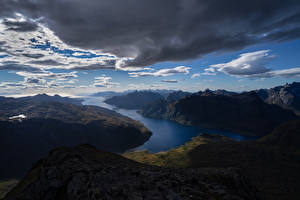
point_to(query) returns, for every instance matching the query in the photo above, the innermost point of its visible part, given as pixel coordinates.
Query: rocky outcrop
(287, 96)
(84, 173)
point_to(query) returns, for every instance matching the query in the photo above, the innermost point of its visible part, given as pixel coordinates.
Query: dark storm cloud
(169, 30)
(25, 26)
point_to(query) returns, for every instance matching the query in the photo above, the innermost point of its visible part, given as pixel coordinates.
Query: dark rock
(83, 172)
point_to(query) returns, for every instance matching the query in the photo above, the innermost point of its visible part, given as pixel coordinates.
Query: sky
(75, 47)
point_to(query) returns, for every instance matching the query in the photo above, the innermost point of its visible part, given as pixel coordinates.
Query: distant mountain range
(139, 99)
(47, 98)
(46, 125)
(271, 163)
(252, 113)
(109, 94)
(134, 100)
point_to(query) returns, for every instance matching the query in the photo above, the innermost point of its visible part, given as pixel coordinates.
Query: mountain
(209, 92)
(286, 136)
(48, 98)
(46, 125)
(108, 94)
(271, 163)
(244, 113)
(287, 96)
(175, 96)
(134, 100)
(83, 172)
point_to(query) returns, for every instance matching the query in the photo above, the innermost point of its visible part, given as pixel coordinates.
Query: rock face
(287, 96)
(84, 173)
(53, 124)
(244, 113)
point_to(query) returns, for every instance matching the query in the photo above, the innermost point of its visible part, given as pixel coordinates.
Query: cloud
(179, 29)
(48, 75)
(162, 72)
(170, 81)
(106, 64)
(34, 80)
(252, 65)
(286, 73)
(196, 75)
(48, 62)
(104, 81)
(11, 65)
(36, 55)
(23, 26)
(247, 64)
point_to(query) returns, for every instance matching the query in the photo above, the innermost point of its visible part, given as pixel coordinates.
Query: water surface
(165, 134)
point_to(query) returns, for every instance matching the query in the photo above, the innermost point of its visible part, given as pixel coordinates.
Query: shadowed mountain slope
(83, 172)
(53, 124)
(244, 113)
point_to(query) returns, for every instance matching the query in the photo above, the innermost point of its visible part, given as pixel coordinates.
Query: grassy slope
(6, 186)
(177, 157)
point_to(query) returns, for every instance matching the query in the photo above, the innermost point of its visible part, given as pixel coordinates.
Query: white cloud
(286, 73)
(162, 72)
(196, 75)
(48, 74)
(104, 81)
(247, 64)
(170, 81)
(209, 72)
(252, 65)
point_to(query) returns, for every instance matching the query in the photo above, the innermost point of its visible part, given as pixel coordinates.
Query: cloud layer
(162, 72)
(153, 31)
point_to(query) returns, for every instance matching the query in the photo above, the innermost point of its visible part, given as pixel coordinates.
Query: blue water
(165, 134)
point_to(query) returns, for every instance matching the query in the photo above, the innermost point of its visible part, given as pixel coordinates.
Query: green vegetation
(177, 157)
(6, 186)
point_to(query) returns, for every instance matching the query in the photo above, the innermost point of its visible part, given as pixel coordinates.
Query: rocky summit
(83, 172)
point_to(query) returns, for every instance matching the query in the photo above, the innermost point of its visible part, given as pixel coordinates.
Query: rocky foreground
(83, 172)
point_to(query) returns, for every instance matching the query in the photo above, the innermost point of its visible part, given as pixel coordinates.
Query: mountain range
(253, 113)
(134, 100)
